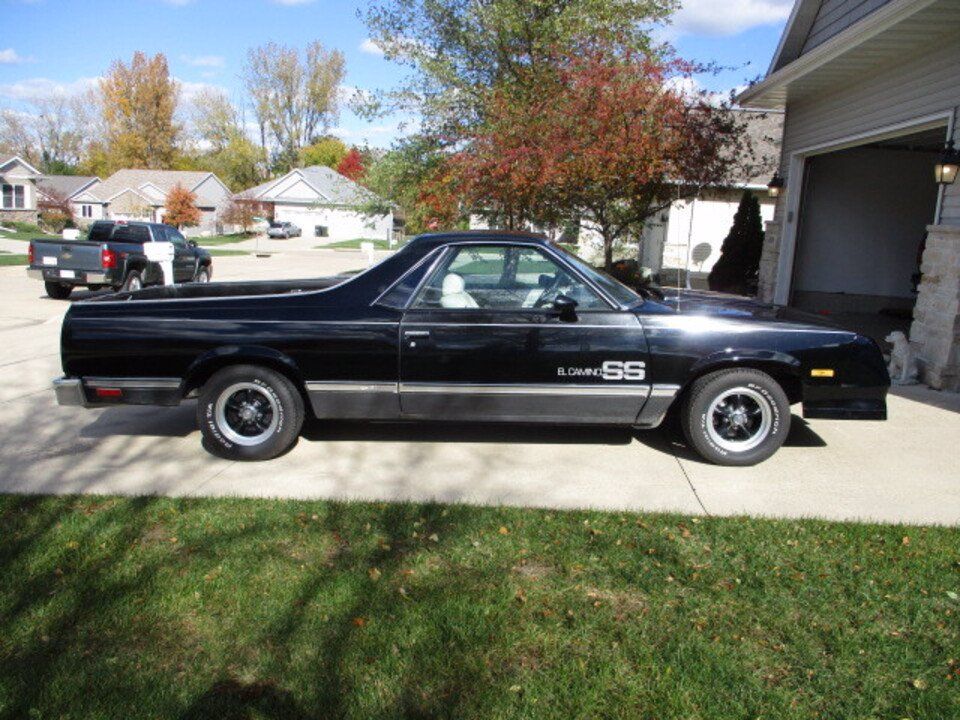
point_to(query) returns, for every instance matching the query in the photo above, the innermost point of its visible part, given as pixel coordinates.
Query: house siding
(835, 16)
(914, 88)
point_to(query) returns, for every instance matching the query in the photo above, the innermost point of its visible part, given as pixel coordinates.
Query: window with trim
(86, 211)
(503, 277)
(14, 197)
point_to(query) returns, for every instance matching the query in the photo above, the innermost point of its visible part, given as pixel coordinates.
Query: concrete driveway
(904, 470)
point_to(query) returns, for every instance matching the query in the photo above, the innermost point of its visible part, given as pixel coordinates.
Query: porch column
(769, 262)
(935, 331)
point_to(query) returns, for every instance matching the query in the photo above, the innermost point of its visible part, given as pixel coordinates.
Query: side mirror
(566, 307)
(192, 243)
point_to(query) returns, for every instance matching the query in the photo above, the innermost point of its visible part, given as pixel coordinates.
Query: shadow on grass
(87, 629)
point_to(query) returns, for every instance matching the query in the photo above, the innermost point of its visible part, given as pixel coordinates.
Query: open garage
(863, 217)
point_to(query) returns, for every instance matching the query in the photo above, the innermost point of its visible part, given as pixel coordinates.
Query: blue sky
(61, 45)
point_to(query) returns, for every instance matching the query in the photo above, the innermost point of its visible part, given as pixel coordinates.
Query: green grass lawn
(224, 239)
(355, 245)
(217, 252)
(24, 232)
(12, 259)
(156, 608)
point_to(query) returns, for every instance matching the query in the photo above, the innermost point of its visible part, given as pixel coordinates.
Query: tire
(133, 281)
(736, 417)
(203, 275)
(58, 291)
(275, 406)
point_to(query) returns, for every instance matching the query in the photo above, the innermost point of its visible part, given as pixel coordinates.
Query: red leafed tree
(181, 208)
(611, 138)
(352, 165)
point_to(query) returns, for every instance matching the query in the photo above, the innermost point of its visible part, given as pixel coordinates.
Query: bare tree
(294, 95)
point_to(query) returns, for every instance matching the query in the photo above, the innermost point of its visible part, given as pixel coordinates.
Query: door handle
(416, 333)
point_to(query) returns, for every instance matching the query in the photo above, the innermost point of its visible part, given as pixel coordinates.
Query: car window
(174, 236)
(613, 287)
(503, 277)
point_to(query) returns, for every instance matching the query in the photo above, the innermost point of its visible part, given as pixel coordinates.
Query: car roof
(441, 238)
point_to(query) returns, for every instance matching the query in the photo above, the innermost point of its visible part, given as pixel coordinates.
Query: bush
(738, 268)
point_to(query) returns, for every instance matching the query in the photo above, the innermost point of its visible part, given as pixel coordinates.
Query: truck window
(132, 234)
(100, 232)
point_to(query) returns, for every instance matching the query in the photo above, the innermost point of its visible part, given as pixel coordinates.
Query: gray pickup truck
(113, 256)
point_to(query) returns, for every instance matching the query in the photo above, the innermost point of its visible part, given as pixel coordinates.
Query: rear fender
(210, 362)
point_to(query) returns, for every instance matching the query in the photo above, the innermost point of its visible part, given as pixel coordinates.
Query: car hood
(703, 302)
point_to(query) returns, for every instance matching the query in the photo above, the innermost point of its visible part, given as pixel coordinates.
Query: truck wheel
(58, 291)
(203, 275)
(248, 412)
(133, 282)
(736, 417)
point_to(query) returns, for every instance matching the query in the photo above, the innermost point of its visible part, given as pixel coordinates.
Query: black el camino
(472, 326)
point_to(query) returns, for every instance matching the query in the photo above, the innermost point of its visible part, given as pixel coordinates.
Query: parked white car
(283, 230)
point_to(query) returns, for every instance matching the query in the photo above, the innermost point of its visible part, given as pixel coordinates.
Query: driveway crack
(693, 489)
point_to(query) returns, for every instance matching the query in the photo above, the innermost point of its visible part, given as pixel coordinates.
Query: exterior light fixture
(775, 186)
(948, 165)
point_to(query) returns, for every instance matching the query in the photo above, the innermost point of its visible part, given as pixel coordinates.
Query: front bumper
(845, 403)
(80, 277)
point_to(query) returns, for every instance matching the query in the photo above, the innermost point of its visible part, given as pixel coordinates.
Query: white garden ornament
(903, 364)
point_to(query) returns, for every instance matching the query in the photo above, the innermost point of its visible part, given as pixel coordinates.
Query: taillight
(108, 258)
(30, 254)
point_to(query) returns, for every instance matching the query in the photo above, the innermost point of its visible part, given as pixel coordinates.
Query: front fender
(784, 368)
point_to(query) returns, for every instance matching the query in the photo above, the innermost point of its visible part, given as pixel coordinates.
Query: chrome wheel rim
(204, 278)
(134, 284)
(246, 413)
(739, 419)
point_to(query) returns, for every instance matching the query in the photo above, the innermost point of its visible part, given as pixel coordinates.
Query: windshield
(276, 224)
(614, 288)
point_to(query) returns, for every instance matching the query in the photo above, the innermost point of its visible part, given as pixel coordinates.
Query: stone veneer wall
(769, 261)
(935, 332)
(26, 216)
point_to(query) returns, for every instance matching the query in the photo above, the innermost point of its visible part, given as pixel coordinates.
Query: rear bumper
(845, 403)
(80, 277)
(104, 392)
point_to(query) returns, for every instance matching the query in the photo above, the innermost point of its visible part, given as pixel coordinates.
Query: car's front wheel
(203, 275)
(248, 412)
(736, 417)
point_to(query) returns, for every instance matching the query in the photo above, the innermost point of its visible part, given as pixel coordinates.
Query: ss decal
(629, 370)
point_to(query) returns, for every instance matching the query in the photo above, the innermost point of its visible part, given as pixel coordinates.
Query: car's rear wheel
(57, 290)
(133, 282)
(203, 275)
(248, 412)
(736, 417)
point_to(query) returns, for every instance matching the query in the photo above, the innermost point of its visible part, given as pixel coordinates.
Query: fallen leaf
(360, 622)
(434, 538)
(919, 684)
(374, 574)
(906, 540)
(503, 530)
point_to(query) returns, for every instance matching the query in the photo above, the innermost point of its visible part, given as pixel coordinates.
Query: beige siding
(914, 88)
(835, 16)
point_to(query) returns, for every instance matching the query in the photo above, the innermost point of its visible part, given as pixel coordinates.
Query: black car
(487, 327)
(113, 256)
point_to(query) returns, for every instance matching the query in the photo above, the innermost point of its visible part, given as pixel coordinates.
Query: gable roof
(331, 187)
(16, 159)
(879, 35)
(65, 186)
(163, 180)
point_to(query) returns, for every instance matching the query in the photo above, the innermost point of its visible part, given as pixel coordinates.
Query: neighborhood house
(324, 204)
(863, 230)
(125, 195)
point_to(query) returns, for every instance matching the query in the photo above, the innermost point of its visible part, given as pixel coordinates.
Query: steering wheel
(552, 289)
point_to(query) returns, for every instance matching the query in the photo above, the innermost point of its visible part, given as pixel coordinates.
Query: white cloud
(729, 17)
(36, 88)
(11, 57)
(369, 46)
(190, 90)
(207, 61)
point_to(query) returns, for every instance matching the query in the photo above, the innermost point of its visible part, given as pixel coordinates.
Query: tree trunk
(607, 251)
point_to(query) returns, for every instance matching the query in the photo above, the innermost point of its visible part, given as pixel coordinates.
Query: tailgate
(66, 255)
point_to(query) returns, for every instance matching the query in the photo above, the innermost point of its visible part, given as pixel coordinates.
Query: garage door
(307, 220)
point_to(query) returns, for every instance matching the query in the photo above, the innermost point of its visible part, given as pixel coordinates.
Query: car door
(483, 340)
(184, 258)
